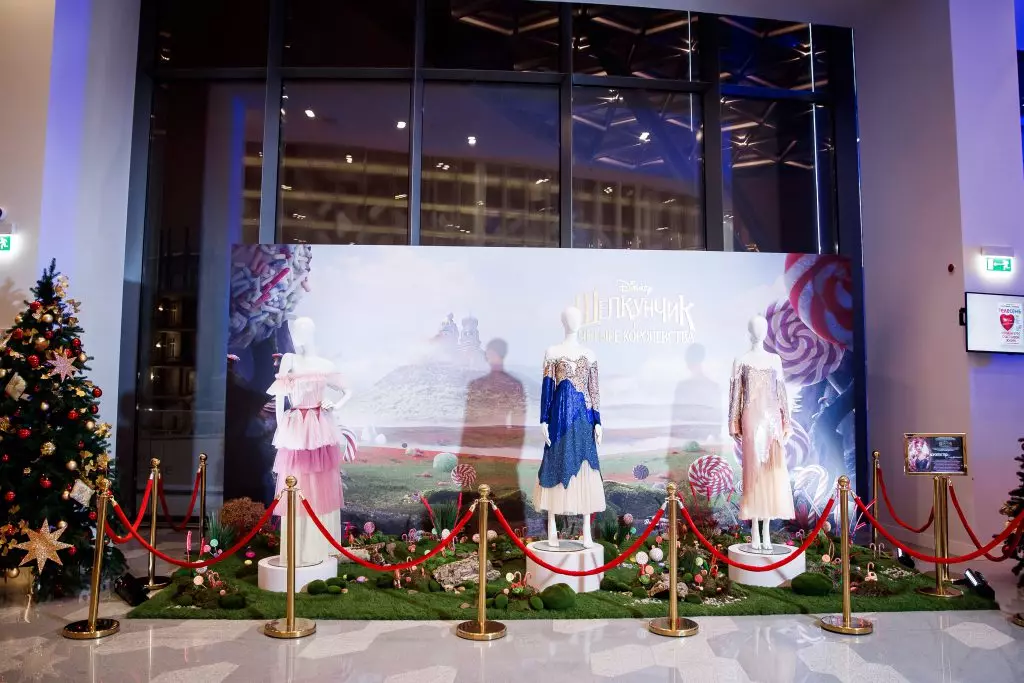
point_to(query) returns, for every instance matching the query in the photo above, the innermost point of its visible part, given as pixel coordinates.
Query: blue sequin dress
(569, 480)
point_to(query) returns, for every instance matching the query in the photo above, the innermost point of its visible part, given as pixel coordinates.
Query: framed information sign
(935, 454)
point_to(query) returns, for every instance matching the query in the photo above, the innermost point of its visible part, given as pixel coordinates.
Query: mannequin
(308, 442)
(569, 480)
(759, 419)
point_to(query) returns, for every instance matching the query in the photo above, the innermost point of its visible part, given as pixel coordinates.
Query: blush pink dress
(759, 418)
(309, 447)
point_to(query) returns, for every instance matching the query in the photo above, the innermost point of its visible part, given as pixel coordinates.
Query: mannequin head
(303, 333)
(572, 319)
(758, 328)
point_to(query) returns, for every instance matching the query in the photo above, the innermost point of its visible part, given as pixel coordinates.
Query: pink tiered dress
(309, 447)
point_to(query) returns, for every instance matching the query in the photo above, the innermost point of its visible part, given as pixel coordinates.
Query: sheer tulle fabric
(319, 473)
(583, 495)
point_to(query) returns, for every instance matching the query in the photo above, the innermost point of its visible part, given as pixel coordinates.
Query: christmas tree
(1011, 509)
(52, 448)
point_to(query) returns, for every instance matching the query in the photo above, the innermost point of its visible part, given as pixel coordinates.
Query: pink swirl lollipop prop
(710, 475)
(806, 358)
(820, 291)
(464, 475)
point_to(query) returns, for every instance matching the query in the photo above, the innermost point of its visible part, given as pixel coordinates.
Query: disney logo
(634, 286)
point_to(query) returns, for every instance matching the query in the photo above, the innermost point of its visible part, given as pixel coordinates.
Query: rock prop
(463, 571)
(660, 589)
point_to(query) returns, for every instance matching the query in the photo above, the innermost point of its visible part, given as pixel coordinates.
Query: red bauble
(97, 392)
(5, 457)
(76, 342)
(9, 496)
(33, 361)
(45, 482)
(72, 551)
(73, 415)
(35, 305)
(48, 334)
(24, 433)
(18, 333)
(81, 445)
(94, 409)
(92, 515)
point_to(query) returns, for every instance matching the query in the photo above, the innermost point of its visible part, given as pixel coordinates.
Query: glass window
(376, 33)
(490, 165)
(772, 54)
(637, 165)
(203, 197)
(779, 185)
(201, 33)
(507, 35)
(344, 163)
(625, 41)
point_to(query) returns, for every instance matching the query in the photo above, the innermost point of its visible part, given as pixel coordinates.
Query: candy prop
(807, 358)
(349, 454)
(820, 291)
(267, 282)
(464, 475)
(710, 475)
(640, 472)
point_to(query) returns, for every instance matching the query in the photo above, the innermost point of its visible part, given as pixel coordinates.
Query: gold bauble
(3, 372)
(27, 471)
(90, 425)
(65, 495)
(61, 524)
(18, 319)
(48, 448)
(82, 357)
(71, 465)
(47, 318)
(41, 344)
(12, 572)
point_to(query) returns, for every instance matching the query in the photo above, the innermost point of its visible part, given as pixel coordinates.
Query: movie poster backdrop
(442, 349)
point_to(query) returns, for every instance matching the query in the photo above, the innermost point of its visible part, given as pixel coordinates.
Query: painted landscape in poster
(442, 349)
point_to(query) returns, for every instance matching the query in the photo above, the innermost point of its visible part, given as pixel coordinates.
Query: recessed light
(471, 140)
(348, 158)
(645, 136)
(400, 125)
(310, 114)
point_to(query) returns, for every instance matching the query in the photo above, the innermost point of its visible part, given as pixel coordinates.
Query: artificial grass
(366, 601)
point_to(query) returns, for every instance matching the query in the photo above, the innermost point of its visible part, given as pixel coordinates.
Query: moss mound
(501, 601)
(558, 597)
(317, 587)
(536, 603)
(231, 601)
(812, 583)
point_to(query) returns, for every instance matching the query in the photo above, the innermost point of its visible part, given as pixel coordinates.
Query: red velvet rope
(944, 560)
(590, 572)
(892, 511)
(768, 567)
(206, 563)
(1007, 549)
(191, 505)
(388, 567)
(120, 540)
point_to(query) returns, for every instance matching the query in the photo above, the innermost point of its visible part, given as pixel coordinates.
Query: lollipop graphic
(640, 472)
(267, 282)
(806, 357)
(464, 475)
(710, 475)
(819, 289)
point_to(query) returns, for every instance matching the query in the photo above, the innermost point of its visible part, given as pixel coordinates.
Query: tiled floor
(914, 647)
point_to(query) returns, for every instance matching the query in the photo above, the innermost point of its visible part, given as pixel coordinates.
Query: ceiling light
(471, 140)
(401, 125)
(348, 158)
(445, 167)
(401, 196)
(645, 136)
(608, 190)
(541, 181)
(310, 114)
(286, 188)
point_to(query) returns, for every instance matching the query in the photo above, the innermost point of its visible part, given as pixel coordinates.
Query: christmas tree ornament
(16, 387)
(5, 458)
(94, 409)
(18, 333)
(48, 448)
(44, 406)
(3, 372)
(82, 493)
(90, 425)
(41, 344)
(42, 546)
(71, 465)
(24, 433)
(72, 551)
(92, 515)
(73, 415)
(81, 445)
(5, 423)
(12, 572)
(9, 496)
(97, 392)
(45, 482)
(48, 334)
(47, 318)
(35, 305)
(76, 343)
(82, 357)
(33, 361)
(63, 366)
(65, 495)
(27, 471)
(62, 524)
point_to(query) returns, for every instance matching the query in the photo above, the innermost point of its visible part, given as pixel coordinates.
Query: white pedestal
(773, 579)
(570, 555)
(274, 578)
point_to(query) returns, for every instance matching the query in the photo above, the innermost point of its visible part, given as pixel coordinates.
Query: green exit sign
(999, 264)
(5, 242)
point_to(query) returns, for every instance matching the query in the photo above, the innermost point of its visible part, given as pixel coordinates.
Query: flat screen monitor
(995, 323)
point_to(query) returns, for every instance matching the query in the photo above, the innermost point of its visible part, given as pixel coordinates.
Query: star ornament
(63, 366)
(42, 545)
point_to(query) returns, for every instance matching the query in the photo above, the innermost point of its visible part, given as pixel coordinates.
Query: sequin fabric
(581, 372)
(570, 407)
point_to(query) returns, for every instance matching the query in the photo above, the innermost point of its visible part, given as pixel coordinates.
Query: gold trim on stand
(673, 625)
(480, 628)
(940, 498)
(202, 497)
(290, 627)
(845, 623)
(95, 628)
(153, 581)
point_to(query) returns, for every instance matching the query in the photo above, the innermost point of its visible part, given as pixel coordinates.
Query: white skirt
(583, 496)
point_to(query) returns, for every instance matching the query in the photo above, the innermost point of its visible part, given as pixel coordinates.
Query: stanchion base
(278, 628)
(157, 583)
(79, 630)
(471, 630)
(1018, 619)
(857, 627)
(681, 628)
(943, 592)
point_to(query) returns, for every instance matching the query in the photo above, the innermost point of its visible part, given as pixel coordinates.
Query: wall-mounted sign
(5, 242)
(935, 454)
(999, 264)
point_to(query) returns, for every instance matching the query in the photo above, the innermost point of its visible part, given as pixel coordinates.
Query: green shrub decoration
(638, 592)
(501, 601)
(687, 577)
(231, 601)
(183, 600)
(812, 583)
(318, 587)
(536, 603)
(247, 570)
(694, 598)
(385, 581)
(610, 550)
(333, 589)
(614, 585)
(494, 589)
(336, 581)
(433, 586)
(558, 597)
(489, 602)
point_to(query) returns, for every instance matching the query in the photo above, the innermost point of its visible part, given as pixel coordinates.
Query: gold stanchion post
(942, 587)
(875, 488)
(290, 627)
(202, 497)
(672, 625)
(845, 623)
(154, 581)
(94, 628)
(480, 628)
